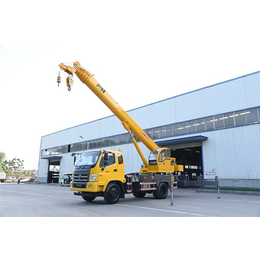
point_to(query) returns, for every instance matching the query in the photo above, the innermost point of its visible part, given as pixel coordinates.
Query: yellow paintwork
(163, 165)
(104, 175)
(128, 123)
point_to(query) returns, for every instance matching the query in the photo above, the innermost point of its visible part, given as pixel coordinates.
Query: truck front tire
(161, 192)
(112, 193)
(88, 199)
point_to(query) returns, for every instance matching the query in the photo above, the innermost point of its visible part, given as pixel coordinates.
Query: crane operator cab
(160, 161)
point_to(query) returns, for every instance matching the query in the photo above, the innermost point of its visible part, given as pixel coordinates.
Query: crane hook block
(59, 79)
(69, 82)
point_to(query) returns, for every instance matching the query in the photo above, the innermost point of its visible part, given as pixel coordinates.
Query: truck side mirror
(105, 156)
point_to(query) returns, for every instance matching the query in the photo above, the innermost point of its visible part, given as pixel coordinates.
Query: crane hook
(70, 82)
(59, 79)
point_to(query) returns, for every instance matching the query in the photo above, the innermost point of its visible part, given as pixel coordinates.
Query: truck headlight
(93, 177)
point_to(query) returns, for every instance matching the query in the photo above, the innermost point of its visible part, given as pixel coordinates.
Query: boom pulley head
(69, 79)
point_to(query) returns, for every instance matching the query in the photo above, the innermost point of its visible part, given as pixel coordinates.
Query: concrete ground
(46, 200)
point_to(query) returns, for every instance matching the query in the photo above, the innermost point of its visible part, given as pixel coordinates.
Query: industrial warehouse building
(213, 131)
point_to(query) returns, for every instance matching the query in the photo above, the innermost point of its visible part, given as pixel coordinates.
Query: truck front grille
(81, 176)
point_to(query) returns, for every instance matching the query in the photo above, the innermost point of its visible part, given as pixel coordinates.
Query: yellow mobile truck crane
(101, 172)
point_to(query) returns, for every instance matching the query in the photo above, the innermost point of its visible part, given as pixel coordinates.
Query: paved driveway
(45, 200)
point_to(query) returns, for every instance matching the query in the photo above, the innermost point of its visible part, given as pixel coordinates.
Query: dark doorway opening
(188, 152)
(191, 159)
(53, 171)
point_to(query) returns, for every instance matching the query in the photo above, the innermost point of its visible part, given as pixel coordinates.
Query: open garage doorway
(191, 159)
(188, 152)
(53, 171)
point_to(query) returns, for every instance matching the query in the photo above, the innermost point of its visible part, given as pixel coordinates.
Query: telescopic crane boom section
(128, 123)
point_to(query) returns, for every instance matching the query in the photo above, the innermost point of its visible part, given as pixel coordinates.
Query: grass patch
(231, 188)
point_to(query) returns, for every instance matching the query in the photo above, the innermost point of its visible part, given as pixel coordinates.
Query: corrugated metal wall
(234, 153)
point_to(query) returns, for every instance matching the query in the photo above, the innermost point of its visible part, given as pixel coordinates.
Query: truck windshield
(88, 158)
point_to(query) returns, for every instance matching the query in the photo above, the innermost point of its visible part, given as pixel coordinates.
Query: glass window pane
(162, 130)
(100, 142)
(183, 128)
(156, 133)
(209, 121)
(191, 126)
(120, 158)
(219, 121)
(240, 118)
(75, 147)
(251, 116)
(175, 129)
(162, 156)
(169, 131)
(45, 152)
(229, 120)
(200, 125)
(114, 140)
(107, 141)
(123, 139)
(93, 144)
(110, 160)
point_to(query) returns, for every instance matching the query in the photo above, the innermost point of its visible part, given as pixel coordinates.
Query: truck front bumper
(92, 187)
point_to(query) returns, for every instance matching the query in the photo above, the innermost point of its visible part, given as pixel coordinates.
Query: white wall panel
(233, 153)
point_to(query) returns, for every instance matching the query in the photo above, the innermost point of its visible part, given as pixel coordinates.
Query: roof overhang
(191, 139)
(52, 157)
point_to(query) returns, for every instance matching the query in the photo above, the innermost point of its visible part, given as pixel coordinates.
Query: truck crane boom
(154, 164)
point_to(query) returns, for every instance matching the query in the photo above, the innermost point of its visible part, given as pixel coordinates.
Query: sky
(139, 51)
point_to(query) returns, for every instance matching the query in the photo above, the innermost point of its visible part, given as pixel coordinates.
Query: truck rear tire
(139, 194)
(112, 193)
(161, 192)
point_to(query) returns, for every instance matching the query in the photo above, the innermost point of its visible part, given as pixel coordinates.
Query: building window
(191, 126)
(209, 123)
(251, 116)
(175, 130)
(200, 125)
(183, 128)
(156, 133)
(229, 120)
(240, 118)
(162, 131)
(221, 121)
(169, 131)
(123, 139)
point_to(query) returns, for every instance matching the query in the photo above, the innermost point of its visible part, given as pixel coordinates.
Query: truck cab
(94, 170)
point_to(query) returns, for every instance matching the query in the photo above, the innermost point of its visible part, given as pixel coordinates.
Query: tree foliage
(2, 157)
(10, 166)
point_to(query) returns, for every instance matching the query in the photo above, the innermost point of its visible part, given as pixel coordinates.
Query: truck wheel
(112, 193)
(88, 199)
(161, 192)
(139, 194)
(154, 194)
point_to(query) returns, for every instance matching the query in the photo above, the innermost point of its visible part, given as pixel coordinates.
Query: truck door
(108, 165)
(164, 160)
